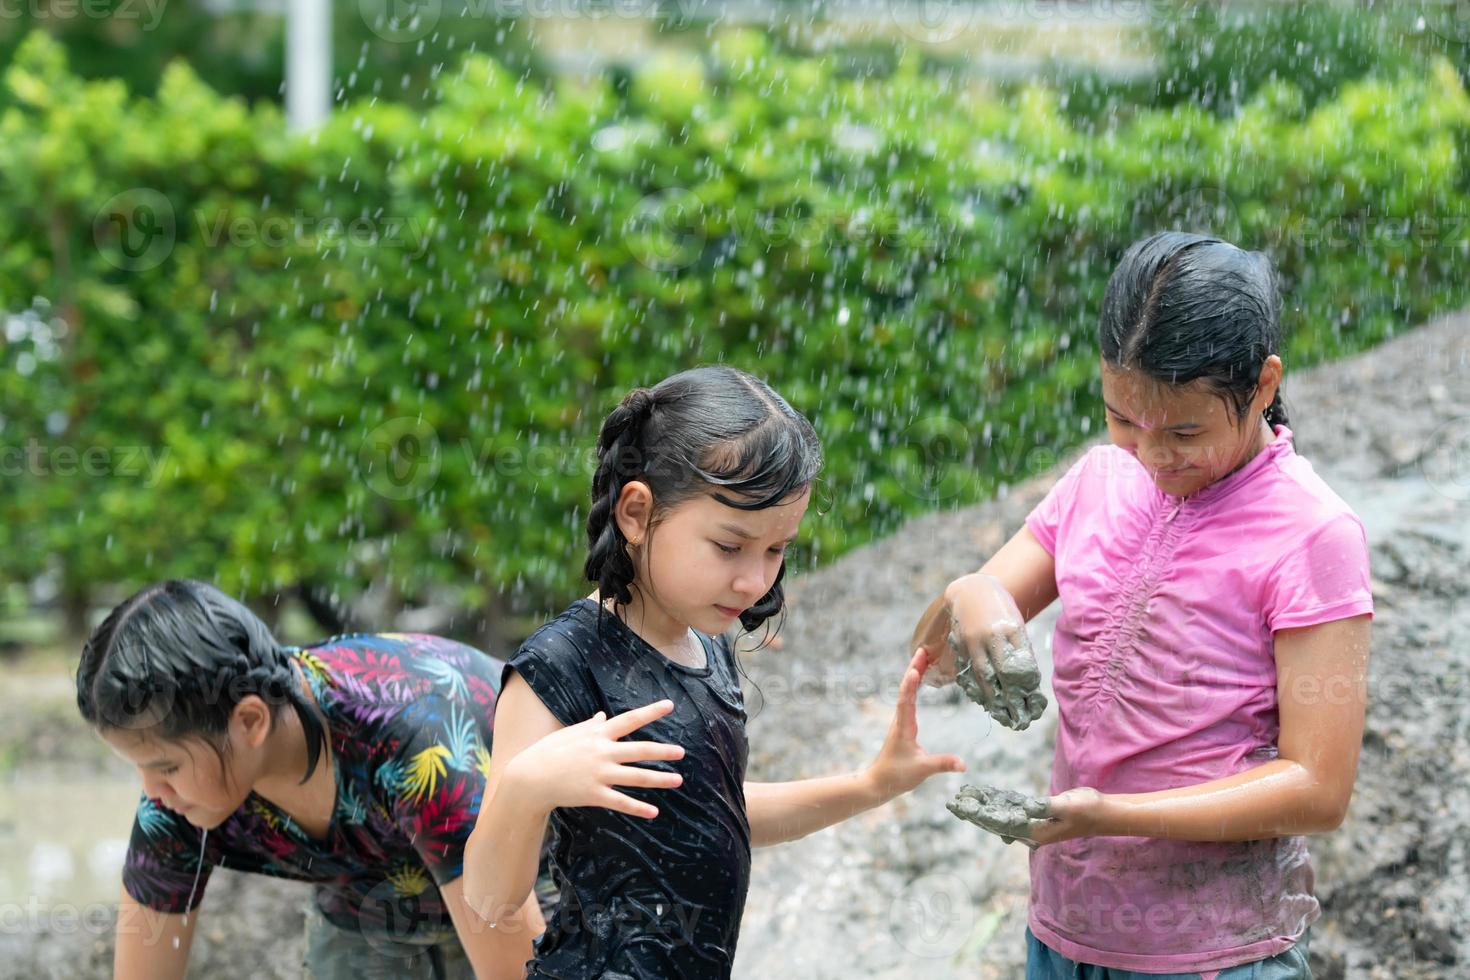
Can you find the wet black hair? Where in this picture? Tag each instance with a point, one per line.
(715, 430)
(1183, 307)
(173, 660)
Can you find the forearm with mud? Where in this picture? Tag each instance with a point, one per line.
(503, 854)
(780, 812)
(1279, 799)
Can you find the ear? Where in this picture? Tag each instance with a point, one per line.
(1267, 385)
(250, 722)
(634, 510)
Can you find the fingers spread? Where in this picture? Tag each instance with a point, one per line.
(624, 803)
(646, 778)
(646, 752)
(630, 721)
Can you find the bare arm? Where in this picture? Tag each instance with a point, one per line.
(1322, 691)
(503, 851)
(498, 953)
(780, 812)
(146, 940)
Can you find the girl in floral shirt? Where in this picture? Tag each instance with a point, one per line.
(357, 764)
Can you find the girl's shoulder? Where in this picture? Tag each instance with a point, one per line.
(572, 634)
(567, 661)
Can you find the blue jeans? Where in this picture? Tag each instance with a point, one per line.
(1045, 963)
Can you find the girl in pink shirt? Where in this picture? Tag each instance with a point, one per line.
(1210, 658)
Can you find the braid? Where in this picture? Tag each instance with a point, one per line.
(277, 683)
(619, 459)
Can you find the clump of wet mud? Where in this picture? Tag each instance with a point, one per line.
(1009, 815)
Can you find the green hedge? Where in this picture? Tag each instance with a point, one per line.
(918, 268)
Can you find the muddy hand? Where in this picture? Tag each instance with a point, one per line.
(1018, 674)
(995, 665)
(1009, 815)
(1003, 679)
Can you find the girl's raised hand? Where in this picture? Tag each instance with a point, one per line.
(579, 765)
(902, 763)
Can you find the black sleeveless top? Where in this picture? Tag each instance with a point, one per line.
(641, 898)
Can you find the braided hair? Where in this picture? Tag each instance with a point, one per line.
(715, 430)
(175, 658)
(1185, 307)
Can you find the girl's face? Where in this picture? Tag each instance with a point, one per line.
(707, 562)
(1185, 436)
(186, 776)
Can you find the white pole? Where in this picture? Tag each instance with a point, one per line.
(308, 62)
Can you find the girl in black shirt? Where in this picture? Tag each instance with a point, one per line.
(701, 484)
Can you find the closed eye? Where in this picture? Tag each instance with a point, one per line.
(727, 549)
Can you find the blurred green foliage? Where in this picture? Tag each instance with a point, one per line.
(380, 352)
(238, 47)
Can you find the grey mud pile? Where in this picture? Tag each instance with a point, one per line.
(909, 889)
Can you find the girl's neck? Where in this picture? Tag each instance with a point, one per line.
(653, 624)
(286, 753)
(1264, 434)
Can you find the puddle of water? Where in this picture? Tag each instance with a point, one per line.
(62, 842)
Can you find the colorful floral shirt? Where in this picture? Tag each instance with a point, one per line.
(410, 719)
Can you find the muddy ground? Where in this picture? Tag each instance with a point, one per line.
(909, 890)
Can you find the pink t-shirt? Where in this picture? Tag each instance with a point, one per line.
(1165, 676)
